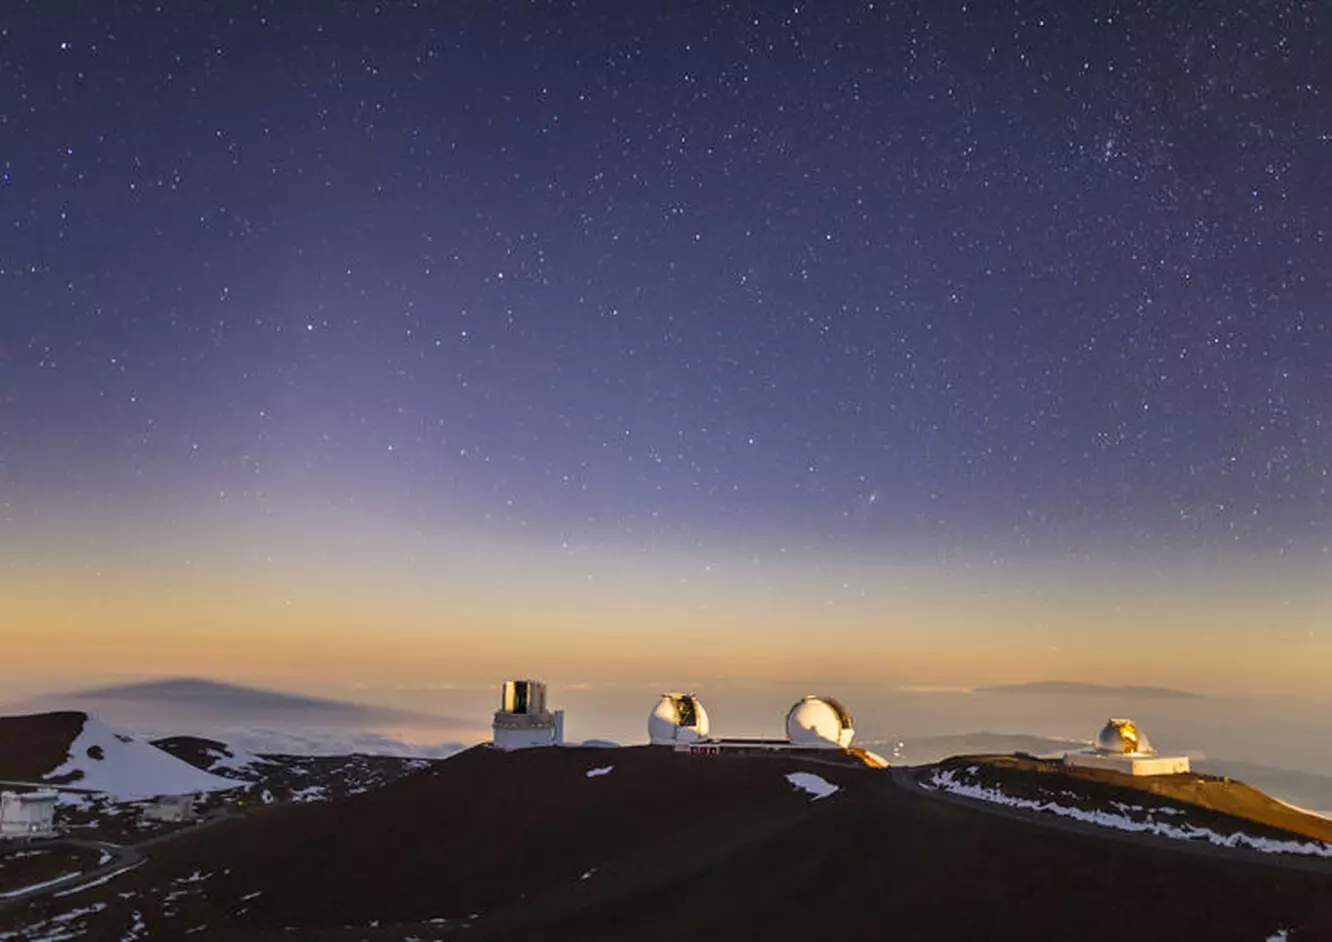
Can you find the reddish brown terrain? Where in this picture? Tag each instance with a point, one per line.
(1223, 804)
(294, 778)
(491, 845)
(27, 866)
(196, 750)
(492, 827)
(31, 746)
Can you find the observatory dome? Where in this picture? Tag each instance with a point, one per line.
(678, 717)
(1122, 737)
(819, 721)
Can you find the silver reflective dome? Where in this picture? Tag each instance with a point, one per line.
(819, 721)
(677, 718)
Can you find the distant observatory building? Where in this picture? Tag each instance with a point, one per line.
(171, 809)
(27, 814)
(819, 721)
(677, 718)
(1122, 747)
(523, 721)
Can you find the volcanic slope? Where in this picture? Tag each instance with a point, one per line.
(645, 843)
(80, 751)
(480, 831)
(35, 744)
(891, 860)
(289, 777)
(1220, 804)
(211, 755)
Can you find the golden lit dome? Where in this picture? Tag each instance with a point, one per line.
(1122, 737)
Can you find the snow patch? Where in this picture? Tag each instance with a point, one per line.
(817, 786)
(40, 886)
(129, 769)
(99, 881)
(604, 770)
(947, 781)
(305, 795)
(234, 759)
(55, 929)
(79, 913)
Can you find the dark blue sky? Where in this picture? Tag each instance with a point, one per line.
(1019, 279)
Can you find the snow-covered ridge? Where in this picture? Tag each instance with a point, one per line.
(125, 768)
(1123, 819)
(233, 759)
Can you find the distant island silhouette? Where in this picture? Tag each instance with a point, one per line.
(1073, 687)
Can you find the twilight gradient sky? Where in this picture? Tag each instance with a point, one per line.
(909, 342)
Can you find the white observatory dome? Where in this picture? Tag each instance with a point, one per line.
(1122, 737)
(678, 717)
(819, 721)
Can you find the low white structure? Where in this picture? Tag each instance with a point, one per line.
(522, 721)
(677, 718)
(27, 814)
(171, 809)
(773, 747)
(819, 721)
(1122, 747)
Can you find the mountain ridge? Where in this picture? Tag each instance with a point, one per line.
(1078, 687)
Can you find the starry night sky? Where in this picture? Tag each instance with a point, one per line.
(919, 282)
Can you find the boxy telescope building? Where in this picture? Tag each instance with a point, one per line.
(522, 721)
(27, 815)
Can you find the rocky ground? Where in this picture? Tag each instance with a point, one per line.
(32, 746)
(1220, 804)
(646, 843)
(276, 777)
(22, 866)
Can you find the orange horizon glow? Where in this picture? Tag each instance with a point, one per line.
(320, 607)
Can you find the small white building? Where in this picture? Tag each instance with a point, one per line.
(171, 809)
(1122, 747)
(819, 721)
(27, 814)
(522, 721)
(677, 718)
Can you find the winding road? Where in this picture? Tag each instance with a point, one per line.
(124, 858)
